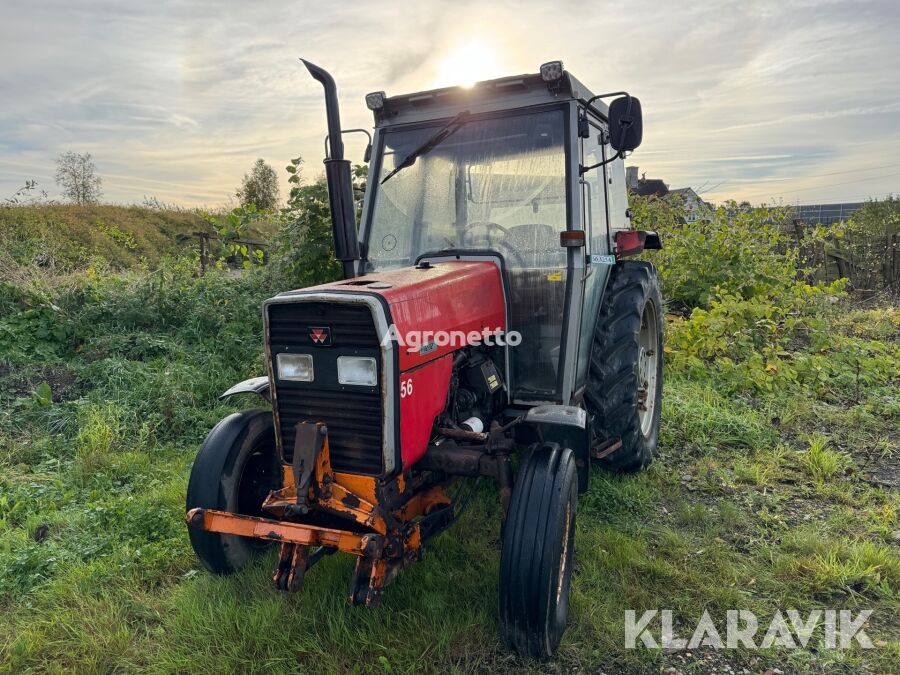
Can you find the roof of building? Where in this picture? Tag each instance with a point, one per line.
(648, 187)
(688, 193)
(683, 191)
(826, 214)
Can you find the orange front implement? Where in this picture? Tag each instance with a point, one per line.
(276, 530)
(383, 540)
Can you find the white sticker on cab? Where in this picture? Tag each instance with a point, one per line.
(603, 260)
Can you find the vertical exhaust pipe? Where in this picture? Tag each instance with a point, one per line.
(340, 182)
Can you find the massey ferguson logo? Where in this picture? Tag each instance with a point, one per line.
(320, 335)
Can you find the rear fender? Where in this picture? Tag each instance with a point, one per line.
(563, 424)
(633, 242)
(255, 385)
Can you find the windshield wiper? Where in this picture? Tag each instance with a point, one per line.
(442, 135)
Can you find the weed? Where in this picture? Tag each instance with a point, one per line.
(820, 462)
(99, 433)
(825, 567)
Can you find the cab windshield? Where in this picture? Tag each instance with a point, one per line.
(497, 183)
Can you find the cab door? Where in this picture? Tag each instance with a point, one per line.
(595, 215)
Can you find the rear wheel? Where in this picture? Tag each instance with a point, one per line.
(536, 559)
(234, 471)
(624, 392)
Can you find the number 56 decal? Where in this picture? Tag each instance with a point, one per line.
(406, 388)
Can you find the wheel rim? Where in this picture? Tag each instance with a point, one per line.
(253, 488)
(255, 483)
(648, 367)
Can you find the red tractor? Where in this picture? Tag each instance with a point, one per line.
(486, 312)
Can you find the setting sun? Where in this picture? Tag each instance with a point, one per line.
(468, 64)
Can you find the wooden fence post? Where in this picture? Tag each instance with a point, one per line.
(204, 251)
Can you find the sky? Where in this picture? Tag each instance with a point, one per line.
(769, 101)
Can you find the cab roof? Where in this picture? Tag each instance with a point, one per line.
(504, 93)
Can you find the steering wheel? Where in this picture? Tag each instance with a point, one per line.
(490, 225)
(487, 224)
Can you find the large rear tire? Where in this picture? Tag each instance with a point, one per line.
(234, 471)
(624, 391)
(536, 558)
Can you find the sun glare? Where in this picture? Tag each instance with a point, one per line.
(467, 64)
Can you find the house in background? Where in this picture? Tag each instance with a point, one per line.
(645, 187)
(695, 208)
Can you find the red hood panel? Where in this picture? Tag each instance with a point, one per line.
(447, 297)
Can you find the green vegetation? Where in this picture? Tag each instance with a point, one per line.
(776, 487)
(259, 187)
(71, 237)
(866, 249)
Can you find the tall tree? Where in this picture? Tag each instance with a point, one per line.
(76, 174)
(260, 187)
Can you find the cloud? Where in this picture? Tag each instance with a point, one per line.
(816, 116)
(177, 99)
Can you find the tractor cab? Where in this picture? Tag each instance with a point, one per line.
(507, 167)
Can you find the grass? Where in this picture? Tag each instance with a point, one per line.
(820, 462)
(120, 236)
(763, 498)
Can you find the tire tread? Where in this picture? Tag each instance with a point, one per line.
(611, 392)
(531, 549)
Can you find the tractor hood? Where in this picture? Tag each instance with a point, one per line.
(407, 323)
(431, 310)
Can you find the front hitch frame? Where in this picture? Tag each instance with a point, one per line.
(384, 541)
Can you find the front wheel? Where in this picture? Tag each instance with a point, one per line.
(536, 558)
(235, 470)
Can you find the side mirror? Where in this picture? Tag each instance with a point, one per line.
(625, 123)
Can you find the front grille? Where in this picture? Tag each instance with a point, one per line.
(354, 425)
(351, 325)
(354, 418)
